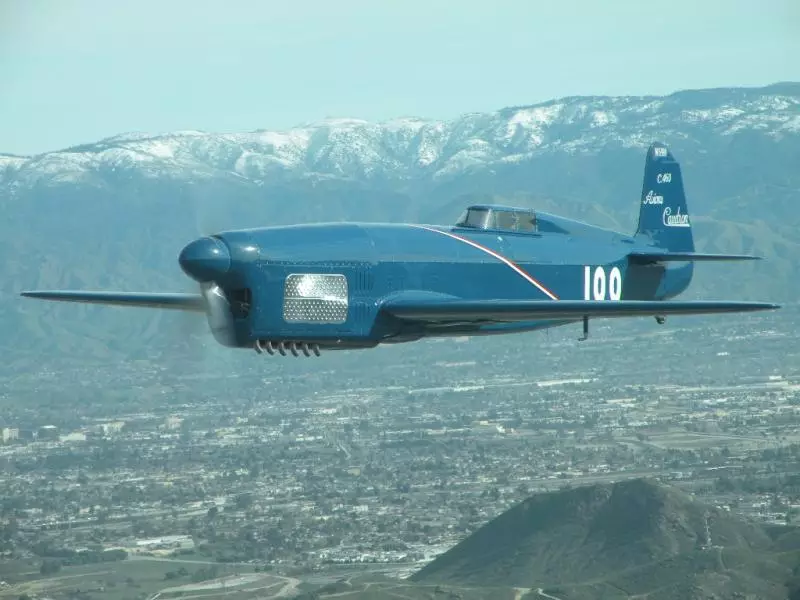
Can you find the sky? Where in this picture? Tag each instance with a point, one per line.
(76, 71)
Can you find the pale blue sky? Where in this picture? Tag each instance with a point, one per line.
(75, 71)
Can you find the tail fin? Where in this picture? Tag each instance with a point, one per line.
(663, 214)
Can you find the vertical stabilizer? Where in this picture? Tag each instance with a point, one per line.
(663, 214)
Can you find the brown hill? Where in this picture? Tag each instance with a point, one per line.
(617, 540)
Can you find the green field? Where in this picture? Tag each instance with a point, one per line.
(137, 579)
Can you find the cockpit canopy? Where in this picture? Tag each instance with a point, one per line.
(502, 218)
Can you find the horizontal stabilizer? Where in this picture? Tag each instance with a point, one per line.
(510, 311)
(658, 256)
(175, 301)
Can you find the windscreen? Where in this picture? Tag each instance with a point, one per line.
(474, 217)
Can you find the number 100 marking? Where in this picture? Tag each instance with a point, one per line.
(595, 285)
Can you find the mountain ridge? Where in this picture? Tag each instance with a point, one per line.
(780, 88)
(413, 146)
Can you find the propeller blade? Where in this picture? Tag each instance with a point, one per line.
(218, 313)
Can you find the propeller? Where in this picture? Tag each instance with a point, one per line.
(218, 314)
(207, 261)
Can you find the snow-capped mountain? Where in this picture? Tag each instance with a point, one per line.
(412, 148)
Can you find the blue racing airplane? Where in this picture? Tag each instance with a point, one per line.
(302, 288)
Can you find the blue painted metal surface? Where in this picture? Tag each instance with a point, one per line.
(301, 288)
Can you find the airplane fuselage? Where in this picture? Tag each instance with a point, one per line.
(563, 260)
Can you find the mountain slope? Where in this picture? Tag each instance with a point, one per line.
(114, 214)
(608, 541)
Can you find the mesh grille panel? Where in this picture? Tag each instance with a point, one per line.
(315, 298)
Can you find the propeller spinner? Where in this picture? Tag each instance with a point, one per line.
(206, 259)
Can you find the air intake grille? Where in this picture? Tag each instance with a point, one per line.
(315, 298)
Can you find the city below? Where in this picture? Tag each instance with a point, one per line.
(237, 467)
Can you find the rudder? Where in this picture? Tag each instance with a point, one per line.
(663, 213)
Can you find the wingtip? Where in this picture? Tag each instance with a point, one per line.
(767, 306)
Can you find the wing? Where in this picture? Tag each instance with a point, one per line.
(175, 301)
(649, 257)
(429, 310)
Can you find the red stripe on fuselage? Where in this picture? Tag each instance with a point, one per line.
(496, 255)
